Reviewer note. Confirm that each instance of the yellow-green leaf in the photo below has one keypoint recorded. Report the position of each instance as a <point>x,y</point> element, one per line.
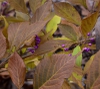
<point>52,24</point>
<point>79,58</point>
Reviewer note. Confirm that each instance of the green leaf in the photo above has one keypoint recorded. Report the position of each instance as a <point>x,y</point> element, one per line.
<point>79,58</point>
<point>18,5</point>
<point>88,23</point>
<point>51,71</point>
<point>30,64</point>
<point>52,24</point>
<point>68,12</point>
<point>68,31</point>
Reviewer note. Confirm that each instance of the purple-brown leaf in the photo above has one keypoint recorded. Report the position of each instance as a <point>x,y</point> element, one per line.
<point>51,71</point>
<point>2,44</point>
<point>17,70</point>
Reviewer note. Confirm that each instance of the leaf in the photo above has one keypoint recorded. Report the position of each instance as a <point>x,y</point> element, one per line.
<point>68,12</point>
<point>35,4</point>
<point>79,58</point>
<point>88,23</point>
<point>18,33</point>
<point>75,28</point>
<point>93,75</point>
<point>14,19</point>
<point>88,64</point>
<point>23,16</point>
<point>42,12</point>
<point>51,71</point>
<point>16,68</point>
<point>76,78</point>
<point>31,63</point>
<point>68,31</point>
<point>4,29</point>
<point>52,24</point>
<point>2,44</point>
<point>65,85</point>
<point>51,45</point>
<point>78,2</point>
<point>18,5</point>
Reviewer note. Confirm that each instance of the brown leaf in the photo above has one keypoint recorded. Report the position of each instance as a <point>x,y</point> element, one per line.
<point>18,33</point>
<point>68,12</point>
<point>68,31</point>
<point>2,44</point>
<point>65,85</point>
<point>75,28</point>
<point>17,70</point>
<point>35,4</point>
<point>93,75</point>
<point>42,12</point>
<point>51,71</point>
<point>18,5</point>
<point>88,23</point>
<point>51,45</point>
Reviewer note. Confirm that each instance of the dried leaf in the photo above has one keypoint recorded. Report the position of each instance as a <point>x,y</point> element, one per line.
<point>51,45</point>
<point>93,75</point>
<point>51,71</point>
<point>68,31</point>
<point>78,2</point>
<point>18,5</point>
<point>2,44</point>
<point>68,12</point>
<point>35,4</point>
<point>42,12</point>
<point>18,33</point>
<point>88,64</point>
<point>88,23</point>
<point>75,28</point>
<point>17,71</point>
<point>65,85</point>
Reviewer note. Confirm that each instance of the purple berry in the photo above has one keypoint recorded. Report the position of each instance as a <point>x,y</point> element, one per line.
<point>66,49</point>
<point>35,47</point>
<point>88,34</point>
<point>90,44</point>
<point>63,45</point>
<point>4,3</point>
<point>86,49</point>
<point>31,50</point>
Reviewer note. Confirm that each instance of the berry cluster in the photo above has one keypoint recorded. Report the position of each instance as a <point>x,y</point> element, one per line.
<point>37,41</point>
